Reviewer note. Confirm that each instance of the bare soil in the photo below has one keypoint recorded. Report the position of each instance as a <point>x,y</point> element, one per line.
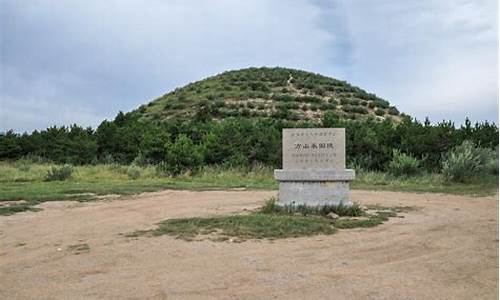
<point>448,249</point>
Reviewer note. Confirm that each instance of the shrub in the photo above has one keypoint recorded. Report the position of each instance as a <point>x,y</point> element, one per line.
<point>393,111</point>
<point>489,160</point>
<point>245,112</point>
<point>23,166</point>
<point>403,164</point>
<point>354,109</point>
<point>314,107</point>
<point>333,101</point>
<point>325,106</point>
<point>59,173</point>
<point>177,105</point>
<point>379,112</point>
<point>284,98</point>
<point>319,91</point>
<point>133,172</point>
<point>467,160</point>
<point>236,160</point>
<point>162,168</point>
<point>310,99</point>
<point>355,101</point>
<point>182,155</point>
<point>140,160</point>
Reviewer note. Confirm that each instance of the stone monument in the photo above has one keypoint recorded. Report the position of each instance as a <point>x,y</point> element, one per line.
<point>314,170</point>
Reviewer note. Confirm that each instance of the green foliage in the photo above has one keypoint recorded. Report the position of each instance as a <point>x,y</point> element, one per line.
<point>133,172</point>
<point>182,155</point>
<point>253,226</point>
<point>467,160</point>
<point>393,111</point>
<point>220,125</point>
<point>59,173</point>
<point>403,164</point>
<point>272,221</point>
<point>342,210</point>
<point>354,109</point>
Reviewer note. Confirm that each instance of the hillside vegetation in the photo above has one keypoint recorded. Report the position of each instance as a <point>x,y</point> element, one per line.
<point>193,127</point>
<point>277,93</point>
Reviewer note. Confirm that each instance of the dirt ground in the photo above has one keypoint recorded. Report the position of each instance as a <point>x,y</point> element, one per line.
<point>446,250</point>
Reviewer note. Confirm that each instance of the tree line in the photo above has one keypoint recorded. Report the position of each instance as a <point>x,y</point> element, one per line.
<point>238,142</point>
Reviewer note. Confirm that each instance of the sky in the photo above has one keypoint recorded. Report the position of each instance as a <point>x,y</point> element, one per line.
<point>65,62</point>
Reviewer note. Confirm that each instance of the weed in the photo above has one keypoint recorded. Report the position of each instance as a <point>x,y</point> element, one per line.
<point>59,173</point>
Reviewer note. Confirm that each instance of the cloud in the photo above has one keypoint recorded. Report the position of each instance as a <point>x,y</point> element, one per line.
<point>430,58</point>
<point>121,54</point>
<point>65,62</point>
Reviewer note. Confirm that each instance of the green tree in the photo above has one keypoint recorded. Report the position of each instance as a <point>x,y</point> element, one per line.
<point>182,155</point>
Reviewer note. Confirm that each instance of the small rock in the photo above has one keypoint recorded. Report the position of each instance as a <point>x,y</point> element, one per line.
<point>333,216</point>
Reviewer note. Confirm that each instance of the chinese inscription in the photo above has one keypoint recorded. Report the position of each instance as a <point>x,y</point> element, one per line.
<point>314,148</point>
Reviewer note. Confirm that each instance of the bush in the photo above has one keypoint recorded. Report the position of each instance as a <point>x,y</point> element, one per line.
<point>393,111</point>
<point>59,173</point>
<point>133,172</point>
<point>140,160</point>
<point>467,160</point>
<point>489,160</point>
<point>182,155</point>
<point>461,162</point>
<point>333,101</point>
<point>310,99</point>
<point>403,164</point>
<point>354,109</point>
<point>237,160</point>
<point>284,98</point>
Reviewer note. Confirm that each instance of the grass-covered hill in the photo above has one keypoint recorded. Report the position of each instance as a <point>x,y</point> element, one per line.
<point>277,93</point>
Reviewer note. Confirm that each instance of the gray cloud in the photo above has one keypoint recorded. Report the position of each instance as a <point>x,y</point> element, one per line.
<point>83,61</point>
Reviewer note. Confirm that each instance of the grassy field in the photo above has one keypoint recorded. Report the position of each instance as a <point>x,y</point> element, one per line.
<point>26,181</point>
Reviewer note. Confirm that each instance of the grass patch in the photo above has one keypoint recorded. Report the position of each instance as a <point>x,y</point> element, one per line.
<point>17,208</point>
<point>88,182</point>
<point>79,248</point>
<point>271,222</point>
<point>370,221</point>
<point>253,226</point>
<point>425,183</point>
<point>342,210</point>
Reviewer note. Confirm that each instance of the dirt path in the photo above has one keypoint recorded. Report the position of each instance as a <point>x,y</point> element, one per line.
<point>446,250</point>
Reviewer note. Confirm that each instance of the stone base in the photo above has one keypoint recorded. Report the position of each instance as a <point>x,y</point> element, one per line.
<point>313,188</point>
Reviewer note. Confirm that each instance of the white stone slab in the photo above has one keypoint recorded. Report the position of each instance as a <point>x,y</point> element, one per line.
<point>314,148</point>
<point>314,193</point>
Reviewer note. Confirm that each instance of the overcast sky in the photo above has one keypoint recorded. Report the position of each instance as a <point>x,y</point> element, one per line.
<point>65,62</point>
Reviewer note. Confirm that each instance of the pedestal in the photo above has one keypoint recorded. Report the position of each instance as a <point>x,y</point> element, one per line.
<point>314,187</point>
